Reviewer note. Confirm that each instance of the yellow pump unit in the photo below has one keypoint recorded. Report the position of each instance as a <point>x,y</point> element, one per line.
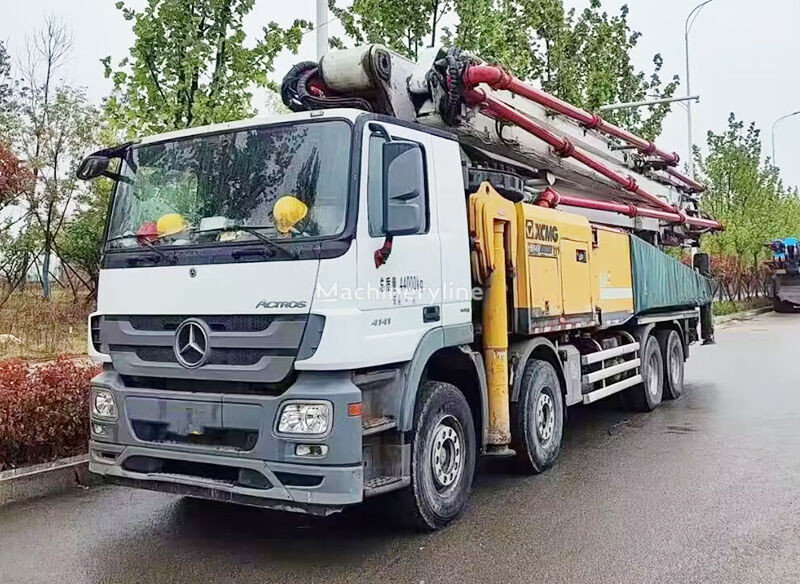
<point>563,273</point>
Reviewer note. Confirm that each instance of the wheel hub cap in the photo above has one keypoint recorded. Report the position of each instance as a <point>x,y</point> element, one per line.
<point>652,375</point>
<point>545,417</point>
<point>447,454</point>
<point>675,364</point>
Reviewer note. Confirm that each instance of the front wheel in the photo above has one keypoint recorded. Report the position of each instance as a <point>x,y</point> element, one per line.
<point>442,457</point>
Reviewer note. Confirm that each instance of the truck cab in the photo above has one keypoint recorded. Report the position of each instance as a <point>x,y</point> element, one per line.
<point>271,292</point>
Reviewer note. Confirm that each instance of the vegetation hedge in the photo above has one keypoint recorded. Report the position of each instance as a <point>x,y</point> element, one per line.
<point>44,411</point>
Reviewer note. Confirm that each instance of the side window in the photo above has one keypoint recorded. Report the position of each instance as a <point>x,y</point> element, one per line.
<point>375,190</point>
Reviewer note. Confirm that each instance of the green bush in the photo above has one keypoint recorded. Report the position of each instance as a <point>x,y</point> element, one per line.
<point>723,307</point>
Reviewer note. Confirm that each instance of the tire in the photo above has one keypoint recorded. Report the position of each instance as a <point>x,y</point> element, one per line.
<point>782,306</point>
<point>672,357</point>
<point>443,454</point>
<point>646,396</point>
<point>538,418</point>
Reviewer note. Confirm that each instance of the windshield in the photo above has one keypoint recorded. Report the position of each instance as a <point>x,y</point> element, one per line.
<point>283,182</point>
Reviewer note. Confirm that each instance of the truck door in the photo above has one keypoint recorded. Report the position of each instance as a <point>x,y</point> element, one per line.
<point>400,299</point>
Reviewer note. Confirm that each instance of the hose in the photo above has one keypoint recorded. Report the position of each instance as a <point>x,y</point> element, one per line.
<point>295,94</point>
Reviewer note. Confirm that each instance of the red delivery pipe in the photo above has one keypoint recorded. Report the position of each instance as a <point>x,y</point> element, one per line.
<point>694,185</point>
<point>562,146</point>
<point>498,78</point>
<point>552,198</point>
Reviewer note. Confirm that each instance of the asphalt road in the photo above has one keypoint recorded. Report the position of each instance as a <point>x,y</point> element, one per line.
<point>704,489</point>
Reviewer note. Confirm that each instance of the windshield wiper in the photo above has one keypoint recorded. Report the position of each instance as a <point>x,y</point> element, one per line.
<point>170,258</point>
<point>269,243</point>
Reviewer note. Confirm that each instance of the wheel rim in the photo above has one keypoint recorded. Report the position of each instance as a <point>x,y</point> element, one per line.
<point>652,374</point>
<point>447,453</point>
<point>675,359</point>
<point>545,416</point>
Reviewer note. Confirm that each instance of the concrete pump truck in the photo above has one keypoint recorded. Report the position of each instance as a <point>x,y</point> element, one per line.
<point>425,263</point>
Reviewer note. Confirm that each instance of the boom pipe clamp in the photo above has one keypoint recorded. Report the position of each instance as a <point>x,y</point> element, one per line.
<point>567,148</point>
<point>630,184</point>
<point>594,123</point>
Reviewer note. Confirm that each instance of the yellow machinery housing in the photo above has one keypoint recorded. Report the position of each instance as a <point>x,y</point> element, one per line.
<point>571,274</point>
<point>564,274</point>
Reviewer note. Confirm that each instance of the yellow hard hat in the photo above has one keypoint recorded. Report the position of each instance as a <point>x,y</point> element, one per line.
<point>287,212</point>
<point>170,224</point>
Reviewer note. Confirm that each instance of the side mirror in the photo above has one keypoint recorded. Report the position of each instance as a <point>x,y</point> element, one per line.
<point>92,167</point>
<point>403,188</point>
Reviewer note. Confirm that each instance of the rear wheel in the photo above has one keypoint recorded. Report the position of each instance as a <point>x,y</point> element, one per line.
<point>442,458</point>
<point>673,358</point>
<point>647,396</point>
<point>538,418</point>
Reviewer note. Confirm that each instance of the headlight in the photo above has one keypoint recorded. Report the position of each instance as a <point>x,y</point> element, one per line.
<point>103,405</point>
<point>300,418</point>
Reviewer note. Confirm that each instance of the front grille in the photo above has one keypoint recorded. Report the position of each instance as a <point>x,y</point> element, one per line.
<point>227,438</point>
<point>240,357</point>
<point>207,386</point>
<point>254,349</point>
<point>221,323</point>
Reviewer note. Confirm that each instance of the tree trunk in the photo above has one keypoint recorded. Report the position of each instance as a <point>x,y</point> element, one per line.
<point>46,270</point>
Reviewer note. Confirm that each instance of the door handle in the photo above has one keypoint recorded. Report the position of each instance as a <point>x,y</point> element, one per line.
<point>430,314</point>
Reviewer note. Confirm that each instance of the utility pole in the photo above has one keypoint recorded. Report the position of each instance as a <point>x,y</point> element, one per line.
<point>687,27</point>
<point>322,28</point>
<point>775,123</point>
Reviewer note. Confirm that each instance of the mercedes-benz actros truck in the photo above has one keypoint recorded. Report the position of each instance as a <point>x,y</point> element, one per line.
<point>423,264</point>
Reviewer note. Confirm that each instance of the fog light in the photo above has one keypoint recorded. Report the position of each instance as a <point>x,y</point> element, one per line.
<point>305,418</point>
<point>311,450</point>
<point>103,405</point>
<point>101,429</point>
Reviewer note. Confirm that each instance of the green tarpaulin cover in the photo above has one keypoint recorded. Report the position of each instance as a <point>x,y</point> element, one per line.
<point>661,282</point>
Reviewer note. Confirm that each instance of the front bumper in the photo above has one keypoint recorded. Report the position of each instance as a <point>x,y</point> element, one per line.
<point>339,486</point>
<point>267,473</point>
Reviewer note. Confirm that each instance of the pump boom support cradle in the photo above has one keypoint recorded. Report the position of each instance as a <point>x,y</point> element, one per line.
<point>547,150</point>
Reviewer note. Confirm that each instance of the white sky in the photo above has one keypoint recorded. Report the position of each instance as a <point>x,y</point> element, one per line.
<point>744,56</point>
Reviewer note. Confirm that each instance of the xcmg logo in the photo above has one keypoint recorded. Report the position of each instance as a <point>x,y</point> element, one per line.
<point>541,231</point>
<point>282,304</point>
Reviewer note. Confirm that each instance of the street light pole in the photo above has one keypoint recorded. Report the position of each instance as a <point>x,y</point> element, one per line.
<point>647,102</point>
<point>775,123</point>
<point>687,27</point>
<point>322,28</point>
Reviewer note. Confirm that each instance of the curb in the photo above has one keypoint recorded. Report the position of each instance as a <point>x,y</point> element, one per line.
<point>741,315</point>
<point>49,478</point>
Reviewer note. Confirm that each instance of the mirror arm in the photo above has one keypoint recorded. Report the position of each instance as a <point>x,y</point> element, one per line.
<point>117,177</point>
<point>379,129</point>
<point>382,254</point>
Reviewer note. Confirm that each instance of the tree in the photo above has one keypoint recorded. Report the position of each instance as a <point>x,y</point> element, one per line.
<point>80,244</point>
<point>745,193</point>
<point>16,179</point>
<point>6,82</point>
<point>18,253</point>
<point>8,98</point>
<point>405,27</point>
<point>189,65</point>
<point>57,127</point>
<point>583,58</point>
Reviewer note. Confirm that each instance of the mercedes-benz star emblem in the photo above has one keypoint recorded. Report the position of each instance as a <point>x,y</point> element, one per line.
<point>191,343</point>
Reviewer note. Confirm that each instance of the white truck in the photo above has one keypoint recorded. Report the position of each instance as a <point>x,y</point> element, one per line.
<point>291,310</point>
